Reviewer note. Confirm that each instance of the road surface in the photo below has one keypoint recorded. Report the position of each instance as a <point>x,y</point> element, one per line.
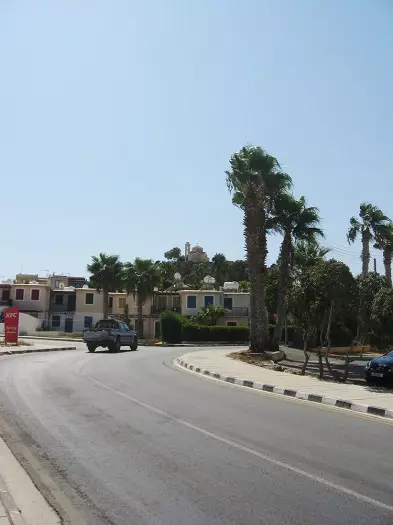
<point>130,439</point>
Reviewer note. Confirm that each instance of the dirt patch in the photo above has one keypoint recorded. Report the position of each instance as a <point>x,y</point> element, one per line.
<point>261,360</point>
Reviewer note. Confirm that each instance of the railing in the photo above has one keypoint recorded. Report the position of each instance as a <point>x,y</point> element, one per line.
<point>237,311</point>
<point>159,309</point>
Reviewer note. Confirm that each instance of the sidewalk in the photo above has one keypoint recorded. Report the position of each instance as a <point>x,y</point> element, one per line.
<point>28,345</point>
<point>216,363</point>
<point>20,501</point>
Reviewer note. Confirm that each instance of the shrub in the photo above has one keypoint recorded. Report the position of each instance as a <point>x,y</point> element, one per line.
<point>196,332</point>
<point>171,327</point>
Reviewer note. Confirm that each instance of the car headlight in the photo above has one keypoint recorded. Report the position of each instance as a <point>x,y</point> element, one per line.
<point>368,365</point>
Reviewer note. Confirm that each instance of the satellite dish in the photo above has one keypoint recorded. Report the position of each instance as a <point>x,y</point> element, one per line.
<point>61,286</point>
<point>177,276</point>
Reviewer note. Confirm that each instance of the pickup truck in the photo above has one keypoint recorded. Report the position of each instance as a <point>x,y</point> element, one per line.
<point>111,334</point>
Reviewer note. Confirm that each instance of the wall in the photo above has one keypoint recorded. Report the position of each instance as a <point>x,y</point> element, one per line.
<point>89,309</point>
<point>200,299</point>
<point>27,304</point>
<point>27,323</point>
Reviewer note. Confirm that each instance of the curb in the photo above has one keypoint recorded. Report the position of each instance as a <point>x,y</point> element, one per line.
<point>32,350</point>
<point>14,515</point>
<point>289,392</point>
<point>42,338</point>
<point>200,345</point>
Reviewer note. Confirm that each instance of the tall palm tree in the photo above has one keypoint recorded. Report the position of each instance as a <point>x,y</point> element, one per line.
<point>140,279</point>
<point>384,242</point>
<point>256,180</point>
<point>308,254</point>
<point>296,222</point>
<point>372,220</point>
<point>106,275</point>
<point>220,268</point>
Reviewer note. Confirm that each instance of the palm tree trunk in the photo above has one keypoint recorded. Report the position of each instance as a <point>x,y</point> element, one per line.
<point>387,261</point>
<point>283,285</point>
<point>365,252</point>
<point>256,248</point>
<point>140,316</point>
<point>105,307</point>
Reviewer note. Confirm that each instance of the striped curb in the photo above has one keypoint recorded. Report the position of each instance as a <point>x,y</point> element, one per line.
<point>36,350</point>
<point>289,392</point>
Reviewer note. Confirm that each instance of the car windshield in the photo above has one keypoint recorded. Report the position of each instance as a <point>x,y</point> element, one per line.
<point>104,325</point>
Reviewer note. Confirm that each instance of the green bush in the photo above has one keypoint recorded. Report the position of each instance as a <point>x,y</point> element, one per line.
<point>196,332</point>
<point>171,327</point>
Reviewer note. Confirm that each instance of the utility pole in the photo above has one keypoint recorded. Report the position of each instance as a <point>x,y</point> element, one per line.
<point>375,265</point>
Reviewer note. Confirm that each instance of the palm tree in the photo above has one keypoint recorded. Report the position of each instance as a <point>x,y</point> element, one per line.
<point>140,279</point>
<point>308,253</point>
<point>256,180</point>
<point>219,267</point>
<point>384,242</point>
<point>296,222</point>
<point>106,275</point>
<point>372,220</point>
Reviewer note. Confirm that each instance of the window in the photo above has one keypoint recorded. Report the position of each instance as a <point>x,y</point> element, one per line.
<point>5,295</point>
<point>209,299</point>
<point>231,323</point>
<point>88,322</point>
<point>122,302</point>
<point>191,301</point>
<point>35,295</point>
<point>89,298</point>
<point>55,321</point>
<point>19,294</point>
<point>59,299</point>
<point>228,303</point>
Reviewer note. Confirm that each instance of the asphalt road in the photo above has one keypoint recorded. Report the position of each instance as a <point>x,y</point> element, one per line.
<point>132,440</point>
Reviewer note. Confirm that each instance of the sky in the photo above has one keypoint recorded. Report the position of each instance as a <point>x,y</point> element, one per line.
<point>118,119</point>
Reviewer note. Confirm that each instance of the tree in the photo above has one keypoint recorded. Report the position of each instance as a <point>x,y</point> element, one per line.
<point>369,285</point>
<point>372,221</point>
<point>140,279</point>
<point>255,180</point>
<point>384,242</point>
<point>296,222</point>
<point>220,268</point>
<point>106,275</point>
<point>209,315</point>
<point>307,254</point>
<point>173,255</point>
<point>382,316</point>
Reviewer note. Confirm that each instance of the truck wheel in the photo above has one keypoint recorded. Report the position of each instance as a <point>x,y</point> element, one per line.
<point>134,344</point>
<point>116,345</point>
<point>91,348</point>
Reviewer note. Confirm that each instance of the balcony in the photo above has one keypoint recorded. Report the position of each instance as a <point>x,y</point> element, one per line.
<point>237,311</point>
<point>158,309</point>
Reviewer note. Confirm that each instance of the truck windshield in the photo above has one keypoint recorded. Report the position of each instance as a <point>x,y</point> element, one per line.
<point>105,325</point>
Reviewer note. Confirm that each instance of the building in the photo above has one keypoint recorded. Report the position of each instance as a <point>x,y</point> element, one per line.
<point>195,254</point>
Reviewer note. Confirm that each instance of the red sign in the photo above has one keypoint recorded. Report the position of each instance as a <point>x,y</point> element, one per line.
<point>11,324</point>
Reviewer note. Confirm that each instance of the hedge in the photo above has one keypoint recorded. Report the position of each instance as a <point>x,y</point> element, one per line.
<point>196,332</point>
<point>171,327</point>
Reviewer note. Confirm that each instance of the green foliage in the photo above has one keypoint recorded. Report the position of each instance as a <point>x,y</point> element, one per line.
<point>382,316</point>
<point>173,254</point>
<point>369,285</point>
<point>106,272</point>
<point>208,315</point>
<point>171,327</point>
<point>196,332</point>
<point>141,277</point>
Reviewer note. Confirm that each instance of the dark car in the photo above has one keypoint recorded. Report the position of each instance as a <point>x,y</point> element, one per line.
<point>380,368</point>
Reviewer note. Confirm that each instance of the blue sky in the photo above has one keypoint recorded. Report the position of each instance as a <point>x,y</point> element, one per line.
<point>118,119</point>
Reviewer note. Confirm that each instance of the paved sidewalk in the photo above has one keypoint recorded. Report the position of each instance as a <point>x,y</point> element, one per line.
<point>216,363</point>
<point>29,345</point>
<point>20,501</point>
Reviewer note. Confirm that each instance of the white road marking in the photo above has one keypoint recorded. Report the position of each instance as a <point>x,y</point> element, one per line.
<point>250,451</point>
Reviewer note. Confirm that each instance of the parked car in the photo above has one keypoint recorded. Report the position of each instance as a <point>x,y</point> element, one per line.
<point>111,334</point>
<point>380,368</point>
